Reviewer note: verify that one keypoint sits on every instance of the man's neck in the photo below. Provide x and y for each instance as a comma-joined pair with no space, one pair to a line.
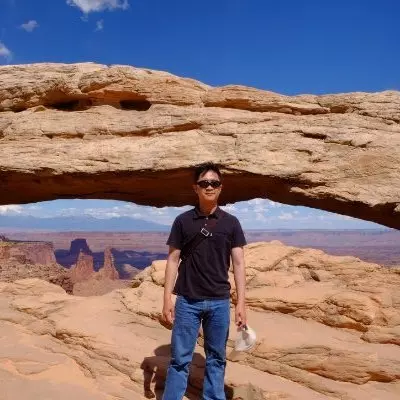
207,208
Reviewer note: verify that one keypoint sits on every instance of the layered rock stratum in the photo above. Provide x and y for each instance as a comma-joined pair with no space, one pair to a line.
328,328
32,252
119,132
20,260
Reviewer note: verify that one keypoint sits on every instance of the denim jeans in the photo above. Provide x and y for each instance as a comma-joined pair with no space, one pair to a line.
189,314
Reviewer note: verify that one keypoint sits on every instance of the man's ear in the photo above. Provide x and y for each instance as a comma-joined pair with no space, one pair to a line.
195,188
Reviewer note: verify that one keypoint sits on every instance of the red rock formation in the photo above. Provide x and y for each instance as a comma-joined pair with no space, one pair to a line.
38,253
4,251
31,252
83,270
69,258
20,260
108,271
101,282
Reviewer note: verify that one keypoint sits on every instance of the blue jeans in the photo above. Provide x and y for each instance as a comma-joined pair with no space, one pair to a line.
189,313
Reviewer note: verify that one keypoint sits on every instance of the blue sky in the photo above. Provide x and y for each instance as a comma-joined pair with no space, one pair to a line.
287,46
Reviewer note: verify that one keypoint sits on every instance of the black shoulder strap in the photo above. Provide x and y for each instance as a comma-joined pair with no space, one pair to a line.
204,233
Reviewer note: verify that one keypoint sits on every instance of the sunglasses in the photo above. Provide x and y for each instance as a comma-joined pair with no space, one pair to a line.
206,184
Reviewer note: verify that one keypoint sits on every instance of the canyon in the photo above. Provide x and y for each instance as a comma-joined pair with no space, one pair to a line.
37,260
139,249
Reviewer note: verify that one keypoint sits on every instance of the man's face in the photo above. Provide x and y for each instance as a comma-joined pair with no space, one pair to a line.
208,194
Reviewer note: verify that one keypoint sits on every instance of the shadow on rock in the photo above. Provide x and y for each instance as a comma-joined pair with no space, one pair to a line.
155,370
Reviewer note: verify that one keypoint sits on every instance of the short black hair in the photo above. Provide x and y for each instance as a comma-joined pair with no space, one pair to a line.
205,167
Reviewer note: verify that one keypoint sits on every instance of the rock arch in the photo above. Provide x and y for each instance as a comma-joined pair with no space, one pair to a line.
119,132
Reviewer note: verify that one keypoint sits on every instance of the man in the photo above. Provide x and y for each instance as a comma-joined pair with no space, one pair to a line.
202,286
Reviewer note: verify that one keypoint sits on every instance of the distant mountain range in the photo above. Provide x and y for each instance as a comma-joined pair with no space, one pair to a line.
86,223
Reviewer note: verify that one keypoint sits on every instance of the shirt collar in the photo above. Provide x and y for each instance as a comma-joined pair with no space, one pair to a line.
197,214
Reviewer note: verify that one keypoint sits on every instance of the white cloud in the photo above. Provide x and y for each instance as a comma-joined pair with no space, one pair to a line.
274,204
256,201
99,25
164,215
229,208
285,216
4,52
88,6
260,217
66,212
262,205
267,217
30,25
11,209
33,207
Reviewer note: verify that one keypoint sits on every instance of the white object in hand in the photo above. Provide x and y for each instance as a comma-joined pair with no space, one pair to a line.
245,339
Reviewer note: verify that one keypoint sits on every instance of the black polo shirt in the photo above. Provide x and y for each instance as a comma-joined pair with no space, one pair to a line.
204,274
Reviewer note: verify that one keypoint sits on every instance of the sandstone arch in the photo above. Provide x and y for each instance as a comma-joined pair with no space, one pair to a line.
92,131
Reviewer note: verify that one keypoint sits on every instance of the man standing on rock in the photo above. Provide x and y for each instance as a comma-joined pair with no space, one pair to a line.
204,238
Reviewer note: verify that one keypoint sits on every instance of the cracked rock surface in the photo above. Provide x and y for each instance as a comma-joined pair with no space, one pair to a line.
119,132
327,328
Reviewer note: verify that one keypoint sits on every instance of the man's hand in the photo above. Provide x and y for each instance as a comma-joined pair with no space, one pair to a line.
240,282
240,314
168,312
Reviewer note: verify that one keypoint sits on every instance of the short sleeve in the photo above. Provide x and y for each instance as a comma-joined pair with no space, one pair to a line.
175,238
238,238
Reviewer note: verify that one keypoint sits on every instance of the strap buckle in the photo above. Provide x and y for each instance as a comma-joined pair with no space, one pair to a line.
205,232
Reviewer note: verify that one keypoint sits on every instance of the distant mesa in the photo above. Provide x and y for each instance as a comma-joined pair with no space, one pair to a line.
30,252
85,272
81,264
69,258
19,260
126,262
79,245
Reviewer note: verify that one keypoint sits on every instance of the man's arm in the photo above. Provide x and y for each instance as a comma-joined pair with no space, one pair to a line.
170,277
240,282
